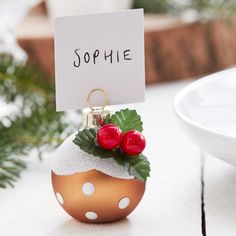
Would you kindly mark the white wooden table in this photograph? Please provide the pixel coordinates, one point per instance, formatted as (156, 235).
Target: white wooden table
(181, 183)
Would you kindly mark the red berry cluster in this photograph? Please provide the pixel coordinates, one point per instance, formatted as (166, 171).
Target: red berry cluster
(131, 142)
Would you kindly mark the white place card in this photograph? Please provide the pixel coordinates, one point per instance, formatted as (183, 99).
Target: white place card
(99, 51)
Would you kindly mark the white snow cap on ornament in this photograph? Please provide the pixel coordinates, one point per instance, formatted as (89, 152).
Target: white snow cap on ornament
(69, 159)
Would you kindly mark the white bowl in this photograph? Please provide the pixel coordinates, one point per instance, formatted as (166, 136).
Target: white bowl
(207, 111)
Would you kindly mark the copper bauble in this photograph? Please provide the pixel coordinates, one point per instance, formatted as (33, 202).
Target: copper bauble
(93, 196)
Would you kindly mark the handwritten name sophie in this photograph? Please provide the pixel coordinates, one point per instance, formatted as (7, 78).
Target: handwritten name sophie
(111, 56)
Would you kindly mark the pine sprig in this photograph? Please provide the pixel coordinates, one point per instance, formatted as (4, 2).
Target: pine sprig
(33, 124)
(206, 9)
(10, 170)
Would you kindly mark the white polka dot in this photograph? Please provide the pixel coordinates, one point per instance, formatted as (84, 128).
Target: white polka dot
(88, 188)
(91, 215)
(59, 198)
(124, 202)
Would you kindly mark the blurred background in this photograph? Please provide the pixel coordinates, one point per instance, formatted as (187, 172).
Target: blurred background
(183, 39)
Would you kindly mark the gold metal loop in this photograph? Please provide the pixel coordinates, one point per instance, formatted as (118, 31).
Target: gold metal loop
(106, 98)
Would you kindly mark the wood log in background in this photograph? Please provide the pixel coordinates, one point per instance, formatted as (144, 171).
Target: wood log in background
(190, 50)
(173, 50)
(40, 52)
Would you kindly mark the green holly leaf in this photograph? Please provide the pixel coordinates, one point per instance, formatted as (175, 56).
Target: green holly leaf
(127, 120)
(107, 119)
(138, 166)
(85, 139)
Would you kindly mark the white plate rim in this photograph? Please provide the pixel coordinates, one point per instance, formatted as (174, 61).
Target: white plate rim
(190, 87)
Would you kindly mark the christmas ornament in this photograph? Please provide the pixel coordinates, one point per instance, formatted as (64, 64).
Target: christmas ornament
(94, 177)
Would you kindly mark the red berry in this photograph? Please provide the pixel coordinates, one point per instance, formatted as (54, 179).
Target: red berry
(133, 142)
(109, 136)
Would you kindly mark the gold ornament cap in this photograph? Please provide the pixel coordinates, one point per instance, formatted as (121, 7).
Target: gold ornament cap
(94, 116)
